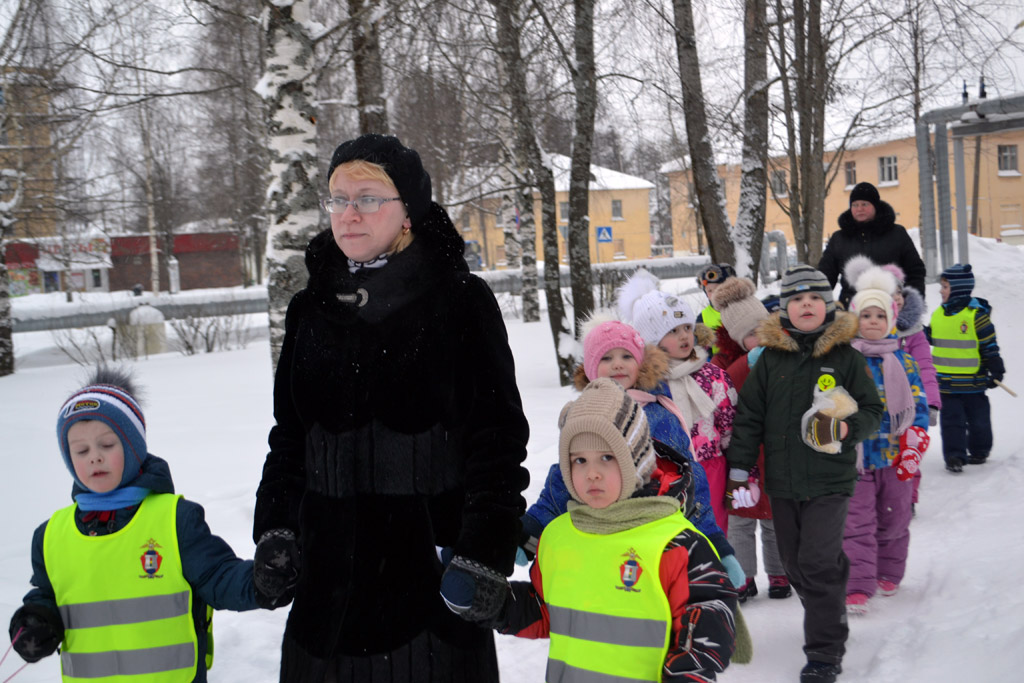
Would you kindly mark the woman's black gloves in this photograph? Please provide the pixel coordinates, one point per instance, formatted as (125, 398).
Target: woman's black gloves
(276, 568)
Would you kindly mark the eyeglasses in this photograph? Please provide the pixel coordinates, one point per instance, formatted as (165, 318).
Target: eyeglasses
(365, 204)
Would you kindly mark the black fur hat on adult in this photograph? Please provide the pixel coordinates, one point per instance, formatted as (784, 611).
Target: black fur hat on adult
(402, 165)
(865, 192)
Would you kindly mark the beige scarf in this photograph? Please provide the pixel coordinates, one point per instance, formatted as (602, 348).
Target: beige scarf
(687, 394)
(620, 516)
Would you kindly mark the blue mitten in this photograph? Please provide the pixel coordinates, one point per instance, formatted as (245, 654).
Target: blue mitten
(736, 574)
(472, 590)
(521, 559)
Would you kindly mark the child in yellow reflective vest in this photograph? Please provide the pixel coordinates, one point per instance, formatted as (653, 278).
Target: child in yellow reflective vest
(623, 584)
(125, 579)
(967, 363)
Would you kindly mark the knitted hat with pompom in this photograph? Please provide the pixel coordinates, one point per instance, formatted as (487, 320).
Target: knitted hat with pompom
(741, 311)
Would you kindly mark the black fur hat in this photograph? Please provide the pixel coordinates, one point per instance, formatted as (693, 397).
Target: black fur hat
(402, 165)
(865, 192)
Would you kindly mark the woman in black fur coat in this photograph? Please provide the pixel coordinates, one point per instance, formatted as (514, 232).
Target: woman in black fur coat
(399, 430)
(869, 228)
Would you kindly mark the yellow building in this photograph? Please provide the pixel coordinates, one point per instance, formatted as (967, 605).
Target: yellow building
(619, 211)
(893, 168)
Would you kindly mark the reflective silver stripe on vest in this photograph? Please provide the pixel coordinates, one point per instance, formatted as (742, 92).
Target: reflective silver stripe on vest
(128, 662)
(560, 672)
(955, 343)
(604, 628)
(127, 611)
(955, 362)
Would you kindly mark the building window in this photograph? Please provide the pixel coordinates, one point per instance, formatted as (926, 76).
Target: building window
(887, 170)
(563, 211)
(617, 209)
(1008, 158)
(780, 188)
(97, 278)
(851, 173)
(465, 220)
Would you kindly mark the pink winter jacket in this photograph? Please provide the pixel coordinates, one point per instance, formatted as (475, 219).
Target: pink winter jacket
(917, 346)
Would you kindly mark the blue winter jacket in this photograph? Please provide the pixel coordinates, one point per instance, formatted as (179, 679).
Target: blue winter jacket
(217, 576)
(665, 427)
(882, 447)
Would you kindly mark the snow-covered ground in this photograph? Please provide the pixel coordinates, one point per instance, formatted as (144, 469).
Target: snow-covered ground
(959, 615)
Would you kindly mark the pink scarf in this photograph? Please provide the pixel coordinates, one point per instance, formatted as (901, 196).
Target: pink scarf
(899, 398)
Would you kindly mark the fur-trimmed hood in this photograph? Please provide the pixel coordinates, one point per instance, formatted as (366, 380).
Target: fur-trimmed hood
(911, 318)
(842, 330)
(652, 370)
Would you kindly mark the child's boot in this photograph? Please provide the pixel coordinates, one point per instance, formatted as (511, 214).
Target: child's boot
(955, 465)
(778, 586)
(977, 459)
(749, 590)
(887, 588)
(857, 604)
(820, 672)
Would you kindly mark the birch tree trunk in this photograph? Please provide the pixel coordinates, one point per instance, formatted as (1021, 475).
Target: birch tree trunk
(749, 229)
(530, 157)
(369, 71)
(8, 177)
(585, 84)
(287, 88)
(707, 185)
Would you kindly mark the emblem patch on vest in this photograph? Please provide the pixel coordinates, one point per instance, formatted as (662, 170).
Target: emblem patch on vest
(151, 560)
(963, 328)
(629, 572)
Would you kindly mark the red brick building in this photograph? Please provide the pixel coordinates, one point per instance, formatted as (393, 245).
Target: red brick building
(204, 260)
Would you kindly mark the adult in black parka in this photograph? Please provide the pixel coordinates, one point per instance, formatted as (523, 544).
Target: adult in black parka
(399, 429)
(869, 228)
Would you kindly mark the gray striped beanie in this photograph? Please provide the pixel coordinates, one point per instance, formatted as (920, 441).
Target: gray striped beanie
(802, 278)
(605, 418)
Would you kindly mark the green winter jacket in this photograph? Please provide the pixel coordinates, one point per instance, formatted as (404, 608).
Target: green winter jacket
(779, 391)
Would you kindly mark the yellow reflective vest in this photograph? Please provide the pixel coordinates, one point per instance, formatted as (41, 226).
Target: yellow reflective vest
(610, 619)
(955, 348)
(712, 320)
(125, 604)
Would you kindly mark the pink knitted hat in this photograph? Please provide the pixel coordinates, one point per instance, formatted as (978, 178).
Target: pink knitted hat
(897, 272)
(605, 337)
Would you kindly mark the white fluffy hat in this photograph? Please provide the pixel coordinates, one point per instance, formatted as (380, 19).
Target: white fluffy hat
(874, 286)
(651, 312)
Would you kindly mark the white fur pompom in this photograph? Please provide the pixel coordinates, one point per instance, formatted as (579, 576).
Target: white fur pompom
(598, 317)
(640, 283)
(877, 278)
(856, 265)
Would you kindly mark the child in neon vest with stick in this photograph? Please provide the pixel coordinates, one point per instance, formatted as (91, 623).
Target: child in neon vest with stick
(126, 578)
(623, 584)
(967, 363)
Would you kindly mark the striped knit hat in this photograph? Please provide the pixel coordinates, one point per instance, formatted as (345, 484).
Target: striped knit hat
(117, 408)
(960, 279)
(802, 278)
(605, 418)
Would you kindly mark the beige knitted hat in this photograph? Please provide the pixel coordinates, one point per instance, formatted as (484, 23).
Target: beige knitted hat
(741, 311)
(605, 418)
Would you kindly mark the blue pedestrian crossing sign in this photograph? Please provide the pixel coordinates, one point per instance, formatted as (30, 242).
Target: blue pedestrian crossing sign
(604, 233)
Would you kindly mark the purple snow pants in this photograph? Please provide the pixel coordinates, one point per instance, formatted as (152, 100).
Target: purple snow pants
(877, 534)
